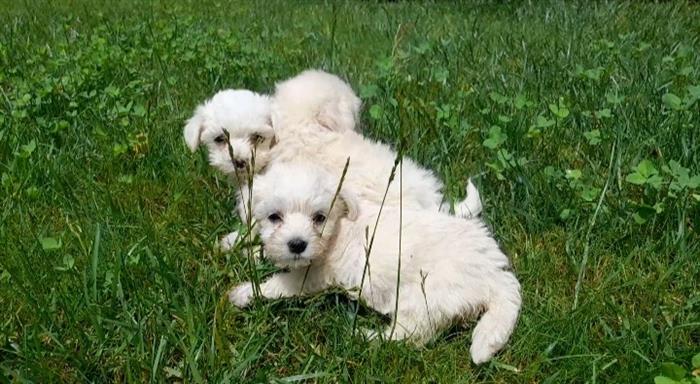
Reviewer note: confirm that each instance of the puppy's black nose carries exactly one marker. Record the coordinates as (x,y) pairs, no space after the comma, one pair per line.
(296,245)
(239,164)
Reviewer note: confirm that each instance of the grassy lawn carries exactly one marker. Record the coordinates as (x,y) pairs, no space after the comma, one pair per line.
(581,120)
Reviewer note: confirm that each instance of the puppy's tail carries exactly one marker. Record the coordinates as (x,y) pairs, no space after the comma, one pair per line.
(471,205)
(495,326)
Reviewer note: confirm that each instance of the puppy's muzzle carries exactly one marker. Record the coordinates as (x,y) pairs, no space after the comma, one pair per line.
(240,164)
(297,245)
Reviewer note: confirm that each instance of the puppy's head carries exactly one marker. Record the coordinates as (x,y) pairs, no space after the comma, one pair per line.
(297,210)
(316,98)
(245,116)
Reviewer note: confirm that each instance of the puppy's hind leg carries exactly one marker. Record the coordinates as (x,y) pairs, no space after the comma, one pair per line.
(228,242)
(408,324)
(495,326)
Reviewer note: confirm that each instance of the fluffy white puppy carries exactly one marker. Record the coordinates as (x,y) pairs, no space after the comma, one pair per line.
(245,116)
(446,269)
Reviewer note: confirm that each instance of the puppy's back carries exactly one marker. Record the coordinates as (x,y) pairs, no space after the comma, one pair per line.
(316,97)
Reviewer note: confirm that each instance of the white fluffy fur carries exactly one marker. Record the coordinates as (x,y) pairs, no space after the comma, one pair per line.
(314,115)
(317,98)
(243,114)
(450,269)
(246,116)
(327,100)
(304,136)
(471,205)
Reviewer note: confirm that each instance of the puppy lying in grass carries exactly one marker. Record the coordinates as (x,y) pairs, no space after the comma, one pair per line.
(313,117)
(423,268)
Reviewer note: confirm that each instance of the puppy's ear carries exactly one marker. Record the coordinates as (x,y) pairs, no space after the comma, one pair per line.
(193,129)
(351,204)
(269,126)
(254,195)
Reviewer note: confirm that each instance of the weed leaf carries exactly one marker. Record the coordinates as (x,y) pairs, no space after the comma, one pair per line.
(498,98)
(593,136)
(376,111)
(496,137)
(368,90)
(673,371)
(645,173)
(671,101)
(635,178)
(664,380)
(560,110)
(26,150)
(614,99)
(694,91)
(50,243)
(696,361)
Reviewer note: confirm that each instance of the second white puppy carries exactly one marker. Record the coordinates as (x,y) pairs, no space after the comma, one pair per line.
(245,116)
(423,268)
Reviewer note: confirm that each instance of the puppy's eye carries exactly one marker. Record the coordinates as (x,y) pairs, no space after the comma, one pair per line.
(319,218)
(256,138)
(275,218)
(220,139)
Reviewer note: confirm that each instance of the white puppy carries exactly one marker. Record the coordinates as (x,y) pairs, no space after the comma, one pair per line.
(446,270)
(245,116)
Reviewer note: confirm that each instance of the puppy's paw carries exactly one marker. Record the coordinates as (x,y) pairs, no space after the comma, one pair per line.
(489,336)
(481,353)
(228,242)
(241,295)
(485,343)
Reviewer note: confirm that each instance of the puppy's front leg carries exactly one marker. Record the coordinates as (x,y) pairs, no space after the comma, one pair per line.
(285,284)
(228,242)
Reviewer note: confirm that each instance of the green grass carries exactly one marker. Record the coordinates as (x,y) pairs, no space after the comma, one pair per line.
(107,265)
